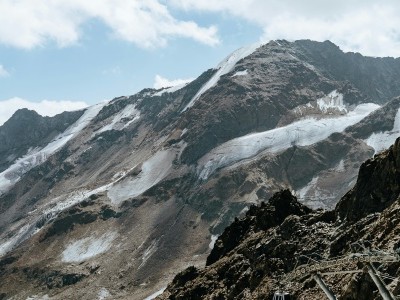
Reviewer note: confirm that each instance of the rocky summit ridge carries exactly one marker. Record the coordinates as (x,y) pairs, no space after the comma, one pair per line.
(114,200)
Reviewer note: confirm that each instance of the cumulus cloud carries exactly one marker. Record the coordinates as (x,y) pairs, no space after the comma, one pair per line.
(369,27)
(3,72)
(44,108)
(146,23)
(161,82)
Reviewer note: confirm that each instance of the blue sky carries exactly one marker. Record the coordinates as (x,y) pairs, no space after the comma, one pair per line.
(57,55)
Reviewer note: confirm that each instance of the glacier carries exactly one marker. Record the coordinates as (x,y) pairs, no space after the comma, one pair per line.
(302,133)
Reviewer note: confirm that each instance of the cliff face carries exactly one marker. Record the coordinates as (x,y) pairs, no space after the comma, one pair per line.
(377,187)
(252,256)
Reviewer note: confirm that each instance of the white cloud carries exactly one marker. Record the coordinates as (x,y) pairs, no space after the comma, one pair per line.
(3,72)
(44,108)
(370,27)
(146,23)
(161,82)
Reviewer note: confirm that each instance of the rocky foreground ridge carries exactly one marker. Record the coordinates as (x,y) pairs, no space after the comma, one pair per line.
(252,256)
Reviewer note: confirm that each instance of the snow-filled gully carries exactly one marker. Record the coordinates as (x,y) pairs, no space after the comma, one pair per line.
(37,156)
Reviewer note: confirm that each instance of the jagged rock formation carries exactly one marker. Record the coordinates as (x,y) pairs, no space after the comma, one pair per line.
(251,256)
(105,199)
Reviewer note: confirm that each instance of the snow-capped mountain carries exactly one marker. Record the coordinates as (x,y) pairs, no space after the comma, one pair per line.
(127,193)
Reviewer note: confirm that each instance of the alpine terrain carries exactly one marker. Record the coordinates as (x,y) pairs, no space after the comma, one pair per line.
(113,201)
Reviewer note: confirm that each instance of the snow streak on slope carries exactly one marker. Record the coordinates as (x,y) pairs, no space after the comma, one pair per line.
(302,133)
(240,73)
(28,227)
(153,171)
(383,140)
(123,119)
(87,248)
(156,294)
(172,89)
(223,68)
(36,157)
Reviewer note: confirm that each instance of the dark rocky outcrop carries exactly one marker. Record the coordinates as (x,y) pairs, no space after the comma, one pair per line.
(377,187)
(253,253)
(376,78)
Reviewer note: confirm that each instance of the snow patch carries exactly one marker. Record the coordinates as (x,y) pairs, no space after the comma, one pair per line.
(340,166)
(122,120)
(213,240)
(35,297)
(303,191)
(302,133)
(22,234)
(240,73)
(37,156)
(156,294)
(172,89)
(103,294)
(43,215)
(383,140)
(332,101)
(153,171)
(223,68)
(149,252)
(87,248)
(183,132)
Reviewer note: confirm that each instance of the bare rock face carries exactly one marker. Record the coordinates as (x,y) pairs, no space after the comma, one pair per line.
(27,129)
(253,254)
(377,187)
(281,205)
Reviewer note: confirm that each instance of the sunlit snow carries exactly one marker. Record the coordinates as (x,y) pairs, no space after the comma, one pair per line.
(302,133)
(149,252)
(22,234)
(153,171)
(87,248)
(333,100)
(123,119)
(223,68)
(156,294)
(46,213)
(45,297)
(13,174)
(213,240)
(383,140)
(103,294)
(172,89)
(304,190)
(240,73)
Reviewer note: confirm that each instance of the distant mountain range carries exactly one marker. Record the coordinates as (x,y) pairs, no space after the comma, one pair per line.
(111,202)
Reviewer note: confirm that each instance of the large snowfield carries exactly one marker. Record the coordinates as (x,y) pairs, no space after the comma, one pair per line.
(301,133)
(153,171)
(88,247)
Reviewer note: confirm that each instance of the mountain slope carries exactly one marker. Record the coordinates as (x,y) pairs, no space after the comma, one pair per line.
(251,257)
(131,173)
